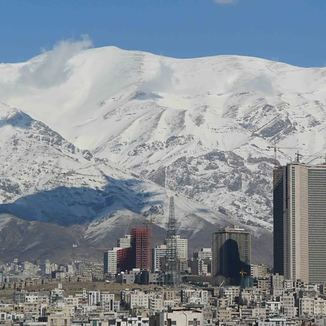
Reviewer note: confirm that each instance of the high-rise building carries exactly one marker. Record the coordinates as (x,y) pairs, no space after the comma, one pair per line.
(124,259)
(117,260)
(182,253)
(290,212)
(110,261)
(141,247)
(124,242)
(159,257)
(201,263)
(317,223)
(182,248)
(299,211)
(231,254)
(160,252)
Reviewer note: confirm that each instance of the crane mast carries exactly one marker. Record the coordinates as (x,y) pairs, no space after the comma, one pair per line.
(172,261)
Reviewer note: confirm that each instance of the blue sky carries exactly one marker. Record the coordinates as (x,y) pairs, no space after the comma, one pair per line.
(291,31)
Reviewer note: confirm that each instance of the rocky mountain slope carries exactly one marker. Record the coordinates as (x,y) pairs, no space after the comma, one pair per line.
(54,195)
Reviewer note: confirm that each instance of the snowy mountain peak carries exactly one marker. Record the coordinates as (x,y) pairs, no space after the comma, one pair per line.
(8,113)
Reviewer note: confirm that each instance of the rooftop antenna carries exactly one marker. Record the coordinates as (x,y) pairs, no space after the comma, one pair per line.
(277,149)
(298,157)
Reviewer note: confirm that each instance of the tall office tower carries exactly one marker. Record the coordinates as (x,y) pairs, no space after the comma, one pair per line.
(317,223)
(231,255)
(141,244)
(299,213)
(181,250)
(124,242)
(159,257)
(182,253)
(110,261)
(182,247)
(160,254)
(290,212)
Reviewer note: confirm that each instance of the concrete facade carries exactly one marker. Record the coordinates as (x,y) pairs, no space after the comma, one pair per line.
(299,211)
(231,254)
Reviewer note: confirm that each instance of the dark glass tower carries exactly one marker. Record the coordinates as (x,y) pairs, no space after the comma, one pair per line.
(231,255)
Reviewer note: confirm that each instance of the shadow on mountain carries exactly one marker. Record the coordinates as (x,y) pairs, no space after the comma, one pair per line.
(80,205)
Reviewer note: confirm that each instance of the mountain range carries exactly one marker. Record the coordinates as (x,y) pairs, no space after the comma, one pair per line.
(95,140)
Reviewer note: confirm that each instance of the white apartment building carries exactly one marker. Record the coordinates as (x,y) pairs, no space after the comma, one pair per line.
(193,296)
(110,261)
(273,307)
(156,302)
(106,297)
(94,298)
(273,322)
(258,271)
(231,292)
(309,307)
(71,300)
(179,317)
(136,299)
(289,309)
(132,321)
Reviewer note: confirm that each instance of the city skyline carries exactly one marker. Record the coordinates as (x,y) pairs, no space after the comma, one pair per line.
(163,162)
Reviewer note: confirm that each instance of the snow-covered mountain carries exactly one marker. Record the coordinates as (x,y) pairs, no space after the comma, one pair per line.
(41,167)
(55,192)
(200,127)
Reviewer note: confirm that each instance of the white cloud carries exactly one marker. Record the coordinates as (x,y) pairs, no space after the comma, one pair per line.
(50,68)
(225,2)
(260,83)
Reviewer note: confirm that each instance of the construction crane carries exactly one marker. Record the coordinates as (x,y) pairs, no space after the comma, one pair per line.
(173,272)
(298,156)
(276,149)
(314,157)
(242,273)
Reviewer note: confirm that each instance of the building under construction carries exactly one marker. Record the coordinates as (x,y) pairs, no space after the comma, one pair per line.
(141,244)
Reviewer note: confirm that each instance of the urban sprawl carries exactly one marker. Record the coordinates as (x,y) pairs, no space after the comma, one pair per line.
(141,284)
